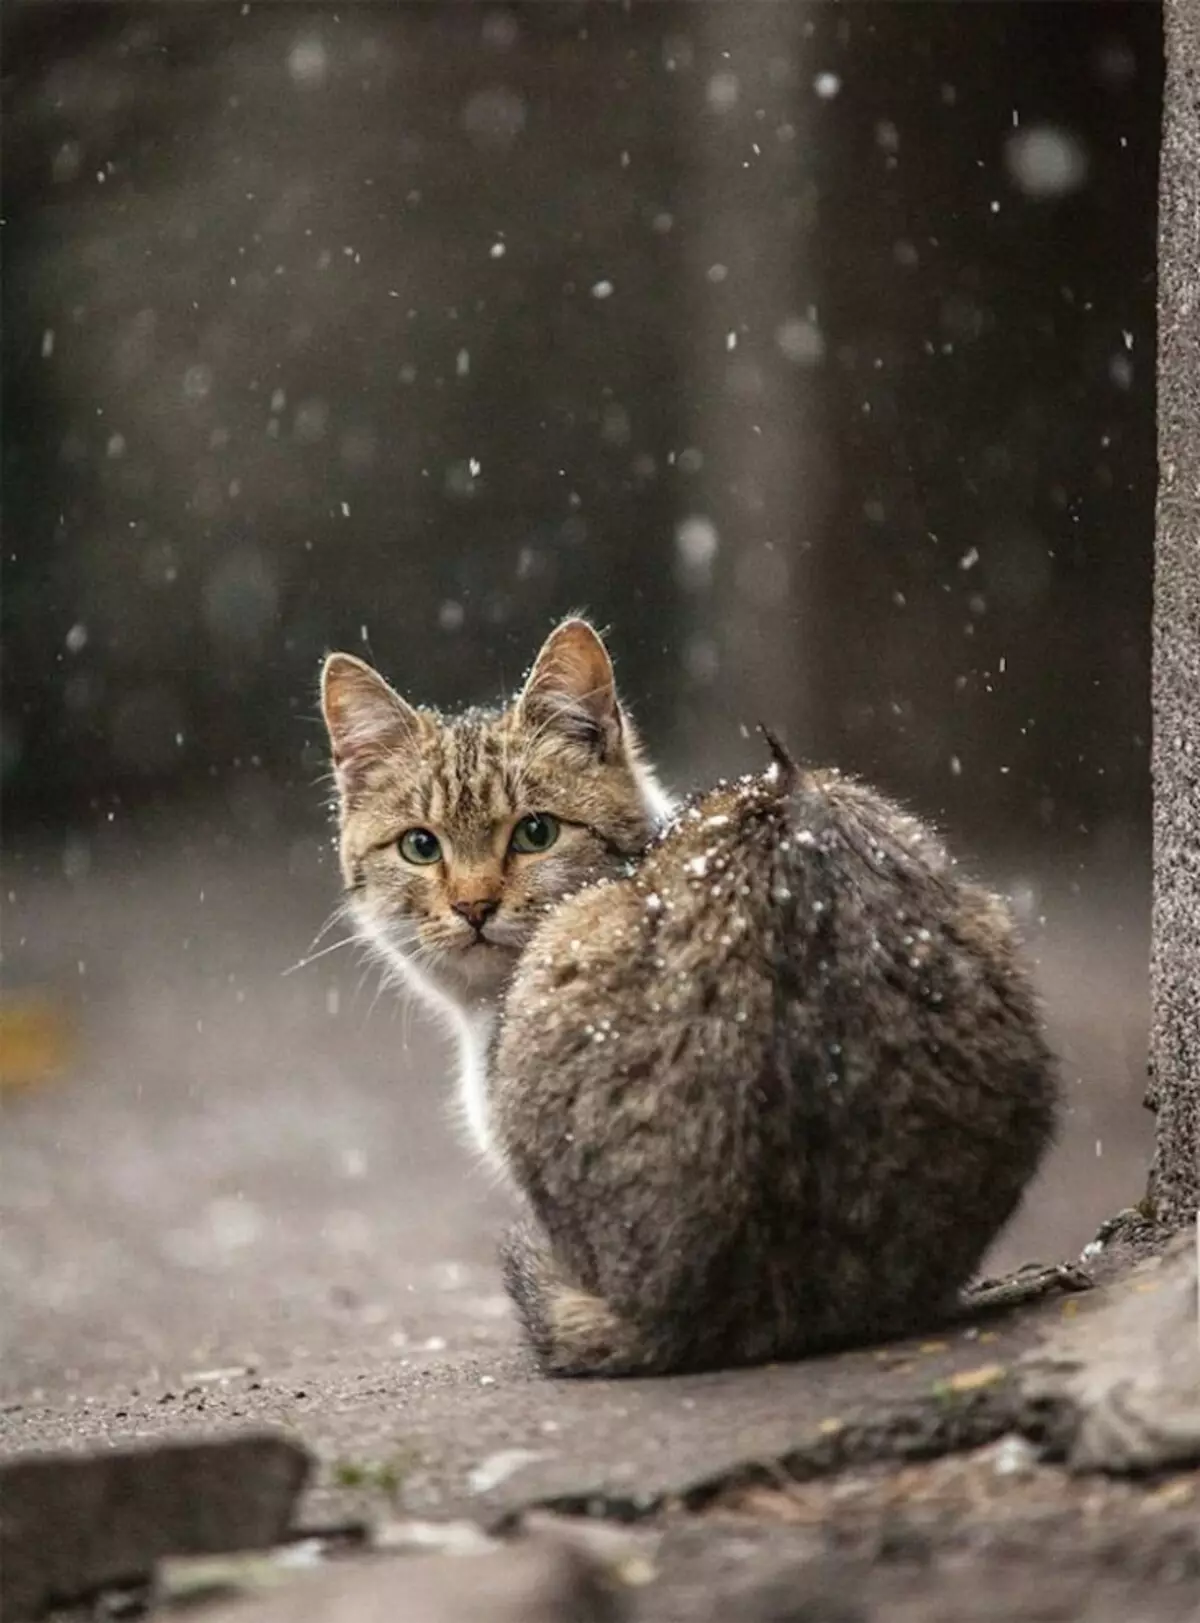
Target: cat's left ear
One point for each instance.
(571, 687)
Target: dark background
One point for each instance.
(810, 347)
(256, 336)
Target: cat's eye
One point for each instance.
(420, 846)
(535, 834)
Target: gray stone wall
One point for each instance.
(1176, 965)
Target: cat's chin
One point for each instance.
(480, 971)
(474, 975)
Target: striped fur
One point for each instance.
(565, 747)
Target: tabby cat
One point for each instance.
(458, 832)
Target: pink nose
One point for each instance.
(476, 913)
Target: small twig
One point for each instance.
(1029, 1284)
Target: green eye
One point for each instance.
(535, 833)
(421, 847)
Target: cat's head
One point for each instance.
(458, 832)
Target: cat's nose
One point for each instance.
(476, 913)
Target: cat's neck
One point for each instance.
(475, 1026)
(473, 1020)
(471, 1016)
(660, 805)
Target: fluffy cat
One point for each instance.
(456, 833)
(774, 1092)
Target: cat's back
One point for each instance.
(631, 958)
(796, 949)
(634, 994)
(785, 1081)
(743, 881)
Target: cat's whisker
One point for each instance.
(340, 912)
(383, 985)
(366, 964)
(303, 963)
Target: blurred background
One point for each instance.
(808, 347)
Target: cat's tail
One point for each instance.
(571, 1331)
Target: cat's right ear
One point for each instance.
(571, 687)
(366, 720)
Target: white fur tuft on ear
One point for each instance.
(571, 686)
(366, 720)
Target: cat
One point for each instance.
(456, 833)
(773, 1093)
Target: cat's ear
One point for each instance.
(365, 719)
(571, 687)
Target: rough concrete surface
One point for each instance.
(242, 1166)
(1129, 1374)
(241, 1206)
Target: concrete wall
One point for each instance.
(1176, 967)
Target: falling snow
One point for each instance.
(1045, 160)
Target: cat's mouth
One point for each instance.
(490, 938)
(481, 966)
(480, 946)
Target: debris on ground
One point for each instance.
(1125, 1379)
(531, 1580)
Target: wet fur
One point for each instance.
(775, 1093)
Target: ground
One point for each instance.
(242, 1204)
